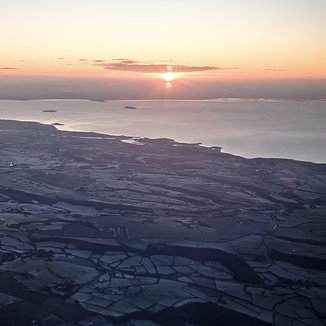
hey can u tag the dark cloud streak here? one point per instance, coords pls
(126, 60)
(134, 66)
(274, 70)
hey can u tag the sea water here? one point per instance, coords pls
(246, 127)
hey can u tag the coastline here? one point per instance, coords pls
(250, 129)
(96, 228)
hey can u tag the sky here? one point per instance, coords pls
(174, 45)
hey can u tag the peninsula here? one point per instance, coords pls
(100, 230)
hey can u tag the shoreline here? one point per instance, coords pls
(133, 139)
(250, 129)
(97, 229)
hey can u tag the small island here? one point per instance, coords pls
(130, 107)
(96, 230)
(50, 110)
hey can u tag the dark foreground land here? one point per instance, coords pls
(101, 230)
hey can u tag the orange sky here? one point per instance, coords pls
(218, 40)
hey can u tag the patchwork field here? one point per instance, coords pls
(108, 230)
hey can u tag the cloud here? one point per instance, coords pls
(62, 58)
(274, 70)
(9, 68)
(136, 66)
(126, 60)
(98, 60)
(82, 59)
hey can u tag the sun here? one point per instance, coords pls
(168, 76)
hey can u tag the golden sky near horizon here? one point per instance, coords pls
(231, 39)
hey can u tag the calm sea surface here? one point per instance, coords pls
(250, 128)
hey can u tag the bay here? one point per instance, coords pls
(245, 127)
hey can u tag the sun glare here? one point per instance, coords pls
(168, 76)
